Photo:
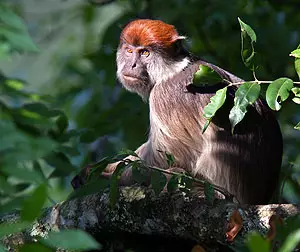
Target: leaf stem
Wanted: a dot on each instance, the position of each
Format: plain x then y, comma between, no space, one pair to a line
199,181
255,81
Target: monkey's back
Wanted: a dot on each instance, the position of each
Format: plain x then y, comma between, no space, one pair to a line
246,163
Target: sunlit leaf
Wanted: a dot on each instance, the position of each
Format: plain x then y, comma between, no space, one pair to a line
295,53
206,76
245,95
15,84
296,100
33,205
257,243
278,91
248,37
158,181
215,103
296,91
71,240
297,126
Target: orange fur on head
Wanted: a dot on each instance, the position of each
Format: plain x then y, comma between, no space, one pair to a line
146,32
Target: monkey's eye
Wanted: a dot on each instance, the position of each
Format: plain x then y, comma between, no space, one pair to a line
129,50
145,52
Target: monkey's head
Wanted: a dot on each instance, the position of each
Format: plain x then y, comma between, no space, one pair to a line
149,53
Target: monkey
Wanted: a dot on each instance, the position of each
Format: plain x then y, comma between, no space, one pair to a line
152,62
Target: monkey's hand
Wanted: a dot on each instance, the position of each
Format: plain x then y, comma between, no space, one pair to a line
81,178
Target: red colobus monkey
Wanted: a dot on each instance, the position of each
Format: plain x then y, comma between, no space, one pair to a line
152,62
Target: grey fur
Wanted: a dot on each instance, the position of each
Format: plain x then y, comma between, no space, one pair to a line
247,164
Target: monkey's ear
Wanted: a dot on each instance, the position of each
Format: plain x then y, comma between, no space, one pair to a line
179,38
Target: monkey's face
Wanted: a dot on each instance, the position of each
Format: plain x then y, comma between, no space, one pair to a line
132,64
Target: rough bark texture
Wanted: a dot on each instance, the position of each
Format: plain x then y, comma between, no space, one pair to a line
140,211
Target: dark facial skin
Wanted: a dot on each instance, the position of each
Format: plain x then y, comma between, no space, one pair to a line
132,68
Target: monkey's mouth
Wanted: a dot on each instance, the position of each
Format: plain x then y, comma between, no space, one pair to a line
130,78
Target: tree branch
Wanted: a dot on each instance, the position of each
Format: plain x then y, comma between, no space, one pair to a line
140,211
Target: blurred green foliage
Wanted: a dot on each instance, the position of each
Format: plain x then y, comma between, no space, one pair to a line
54,102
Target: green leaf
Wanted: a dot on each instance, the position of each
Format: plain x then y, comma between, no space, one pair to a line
25,175
209,192
97,168
127,152
33,205
297,126
297,67
71,151
88,136
61,163
36,247
216,102
113,194
11,228
62,123
71,240
296,100
19,41
278,91
5,49
6,188
291,242
245,95
15,84
139,173
236,115
96,186
173,183
11,19
170,158
296,91
29,149
206,76
158,181
12,205
2,248
295,53
257,243
248,37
